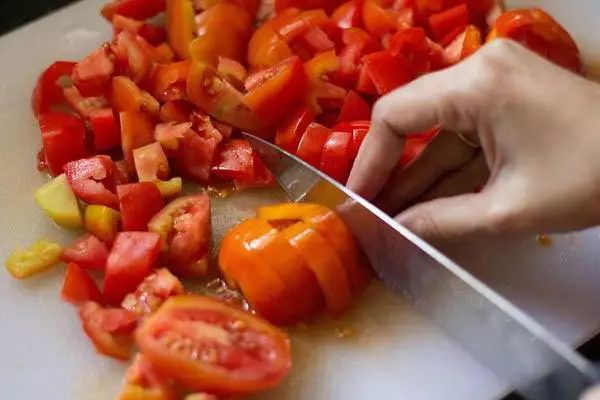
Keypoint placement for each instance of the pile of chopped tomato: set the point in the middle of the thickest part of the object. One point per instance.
(158, 103)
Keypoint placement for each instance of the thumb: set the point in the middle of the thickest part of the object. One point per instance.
(449, 218)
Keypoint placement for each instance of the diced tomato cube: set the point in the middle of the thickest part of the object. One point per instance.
(63, 139)
(87, 252)
(105, 129)
(138, 203)
(79, 287)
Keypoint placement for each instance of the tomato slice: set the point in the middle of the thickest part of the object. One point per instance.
(136, 9)
(335, 159)
(386, 71)
(48, 92)
(152, 293)
(87, 252)
(185, 228)
(151, 163)
(291, 130)
(138, 202)
(137, 130)
(110, 329)
(326, 265)
(354, 108)
(131, 259)
(93, 180)
(79, 287)
(446, 21)
(223, 349)
(276, 90)
(143, 382)
(312, 142)
(63, 140)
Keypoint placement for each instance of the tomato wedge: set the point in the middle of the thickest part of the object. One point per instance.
(292, 128)
(152, 293)
(48, 92)
(79, 287)
(87, 252)
(93, 180)
(222, 349)
(185, 229)
(138, 203)
(131, 259)
(63, 140)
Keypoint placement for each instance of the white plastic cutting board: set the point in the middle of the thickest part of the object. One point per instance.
(395, 353)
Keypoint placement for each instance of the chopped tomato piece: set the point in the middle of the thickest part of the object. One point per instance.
(386, 71)
(185, 228)
(276, 90)
(195, 156)
(291, 130)
(63, 139)
(327, 5)
(266, 48)
(134, 52)
(261, 176)
(465, 44)
(348, 15)
(234, 160)
(40, 256)
(152, 293)
(359, 130)
(443, 23)
(358, 43)
(136, 9)
(110, 329)
(48, 92)
(79, 287)
(312, 142)
(365, 84)
(102, 222)
(152, 34)
(87, 252)
(92, 75)
(379, 21)
(168, 134)
(335, 160)
(126, 95)
(139, 202)
(354, 109)
(320, 90)
(180, 26)
(151, 162)
(169, 81)
(137, 130)
(83, 105)
(315, 40)
(175, 111)
(93, 180)
(163, 54)
(105, 129)
(143, 382)
(241, 354)
(131, 259)
(233, 71)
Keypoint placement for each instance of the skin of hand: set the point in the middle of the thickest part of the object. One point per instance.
(592, 394)
(539, 130)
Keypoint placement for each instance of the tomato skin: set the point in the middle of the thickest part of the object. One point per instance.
(87, 252)
(185, 228)
(168, 81)
(354, 108)
(292, 128)
(195, 156)
(358, 43)
(79, 287)
(386, 71)
(63, 139)
(455, 18)
(152, 292)
(238, 367)
(131, 259)
(465, 44)
(138, 202)
(92, 75)
(335, 160)
(312, 142)
(105, 129)
(377, 20)
(234, 160)
(266, 48)
(93, 180)
(135, 9)
(47, 92)
(143, 382)
(348, 15)
(110, 329)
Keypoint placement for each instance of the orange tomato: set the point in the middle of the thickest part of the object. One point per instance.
(180, 26)
(266, 48)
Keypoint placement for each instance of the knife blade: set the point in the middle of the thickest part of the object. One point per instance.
(514, 347)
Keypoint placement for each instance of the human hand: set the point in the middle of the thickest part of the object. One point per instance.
(592, 394)
(539, 129)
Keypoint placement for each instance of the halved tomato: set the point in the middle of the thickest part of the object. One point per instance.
(93, 180)
(291, 130)
(63, 140)
(110, 329)
(222, 349)
(87, 252)
(138, 203)
(152, 293)
(143, 382)
(79, 287)
(185, 228)
(48, 92)
(131, 259)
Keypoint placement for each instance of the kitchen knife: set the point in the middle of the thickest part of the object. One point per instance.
(503, 338)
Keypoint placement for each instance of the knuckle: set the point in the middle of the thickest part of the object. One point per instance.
(422, 224)
(504, 220)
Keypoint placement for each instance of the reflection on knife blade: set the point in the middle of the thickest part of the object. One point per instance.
(503, 338)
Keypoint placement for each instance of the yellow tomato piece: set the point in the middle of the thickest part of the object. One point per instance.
(57, 200)
(169, 188)
(181, 26)
(102, 222)
(23, 263)
(298, 211)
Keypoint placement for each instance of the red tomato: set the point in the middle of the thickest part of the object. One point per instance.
(348, 15)
(412, 148)
(169, 134)
(180, 26)
(312, 142)
(276, 90)
(445, 22)
(63, 140)
(133, 51)
(322, 93)
(195, 156)
(250, 355)
(152, 293)
(79, 287)
(151, 163)
(233, 70)
(110, 329)
(234, 160)
(136, 9)
(105, 129)
(48, 92)
(365, 84)
(139, 202)
(83, 105)
(292, 128)
(143, 382)
(358, 43)
(377, 20)
(327, 5)
(169, 80)
(87, 252)
(335, 160)
(175, 111)
(152, 34)
(131, 259)
(261, 176)
(137, 130)
(386, 71)
(185, 228)
(92, 75)
(465, 44)
(93, 180)
(354, 108)
(266, 48)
